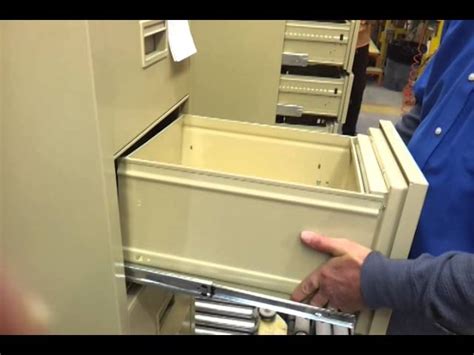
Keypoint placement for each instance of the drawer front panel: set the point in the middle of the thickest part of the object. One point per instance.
(322, 42)
(231, 234)
(317, 96)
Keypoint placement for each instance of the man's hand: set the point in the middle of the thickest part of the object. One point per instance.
(337, 282)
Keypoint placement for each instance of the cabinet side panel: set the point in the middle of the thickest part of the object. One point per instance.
(58, 242)
(235, 73)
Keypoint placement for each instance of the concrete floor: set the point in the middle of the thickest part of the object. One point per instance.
(378, 104)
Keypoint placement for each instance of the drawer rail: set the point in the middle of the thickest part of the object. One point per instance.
(208, 289)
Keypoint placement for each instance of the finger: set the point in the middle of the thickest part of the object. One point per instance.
(306, 288)
(319, 299)
(333, 246)
(20, 312)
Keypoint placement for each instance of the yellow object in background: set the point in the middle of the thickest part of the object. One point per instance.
(435, 41)
(432, 45)
(277, 326)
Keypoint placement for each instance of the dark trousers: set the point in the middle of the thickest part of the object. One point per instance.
(359, 69)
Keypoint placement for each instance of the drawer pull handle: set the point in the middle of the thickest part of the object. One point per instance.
(289, 110)
(295, 59)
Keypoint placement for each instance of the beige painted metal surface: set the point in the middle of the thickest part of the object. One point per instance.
(251, 150)
(331, 127)
(155, 311)
(316, 95)
(323, 42)
(59, 238)
(374, 181)
(130, 98)
(395, 199)
(396, 194)
(142, 318)
(418, 186)
(234, 195)
(238, 205)
(236, 70)
(409, 212)
(63, 135)
(149, 310)
(178, 320)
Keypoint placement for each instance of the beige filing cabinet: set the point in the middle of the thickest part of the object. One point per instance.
(76, 94)
(238, 72)
(321, 96)
(212, 197)
(318, 42)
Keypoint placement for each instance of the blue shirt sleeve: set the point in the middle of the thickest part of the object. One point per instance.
(441, 288)
(407, 125)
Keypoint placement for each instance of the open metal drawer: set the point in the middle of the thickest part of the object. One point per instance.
(314, 42)
(226, 200)
(318, 96)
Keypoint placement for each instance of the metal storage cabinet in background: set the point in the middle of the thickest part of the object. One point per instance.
(319, 42)
(317, 60)
(239, 72)
(317, 96)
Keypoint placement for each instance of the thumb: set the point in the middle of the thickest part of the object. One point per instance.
(333, 246)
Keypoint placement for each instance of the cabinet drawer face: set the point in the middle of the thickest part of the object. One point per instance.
(324, 43)
(313, 95)
(124, 87)
(226, 200)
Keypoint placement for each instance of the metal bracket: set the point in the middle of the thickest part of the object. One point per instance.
(295, 59)
(174, 282)
(205, 288)
(289, 110)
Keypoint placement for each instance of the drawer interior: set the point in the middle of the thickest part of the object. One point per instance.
(267, 152)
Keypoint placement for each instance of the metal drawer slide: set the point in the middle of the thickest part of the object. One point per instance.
(208, 289)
